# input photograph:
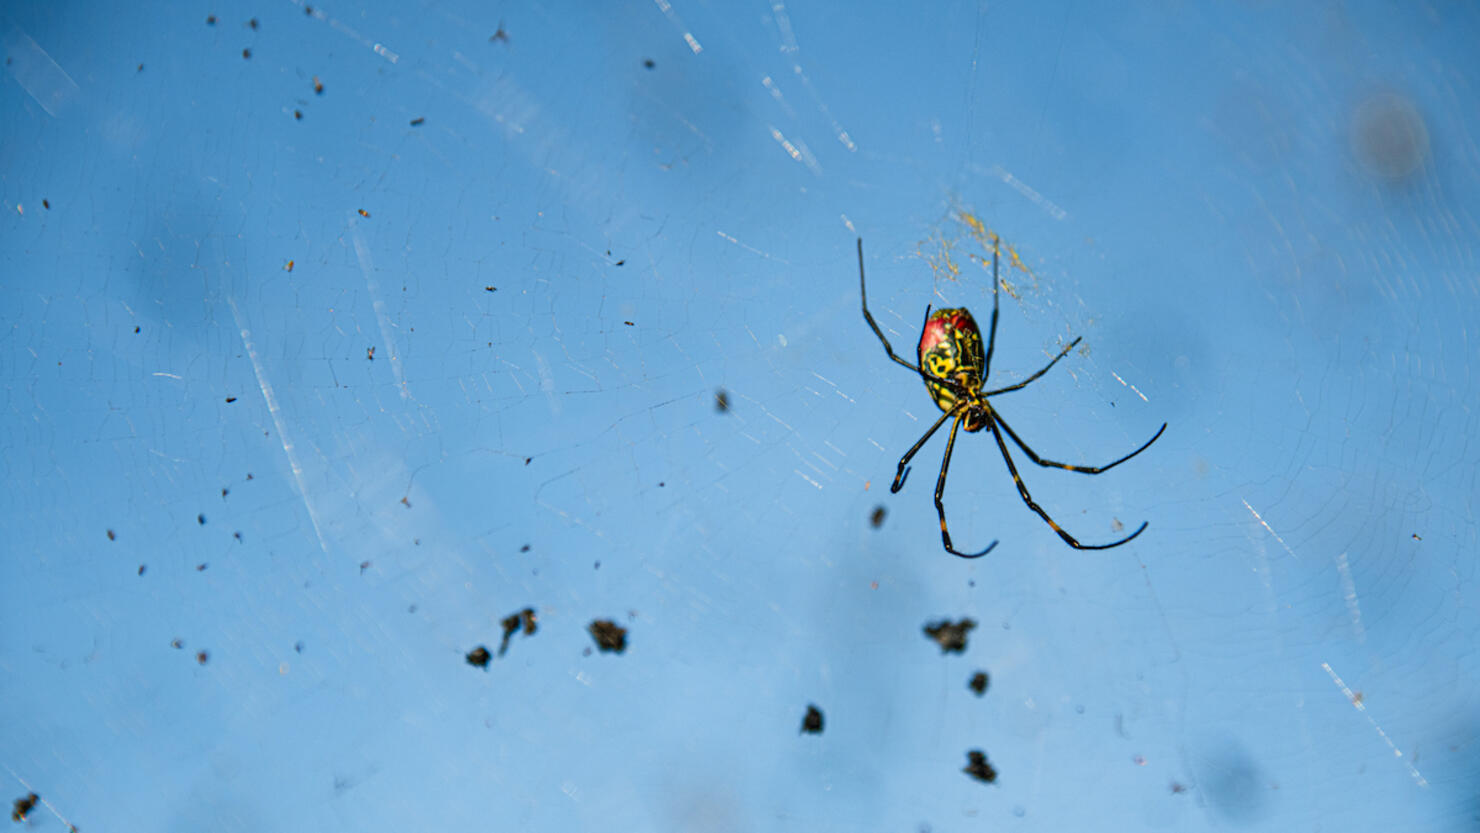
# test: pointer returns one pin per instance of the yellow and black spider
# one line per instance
(951, 347)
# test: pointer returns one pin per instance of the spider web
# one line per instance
(344, 333)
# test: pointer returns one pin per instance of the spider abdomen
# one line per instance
(951, 348)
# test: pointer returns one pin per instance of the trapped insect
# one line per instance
(955, 371)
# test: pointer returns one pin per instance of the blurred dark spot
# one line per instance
(230, 399)
(111, 536)
(210, 20)
(177, 644)
(418, 122)
(252, 23)
(812, 722)
(648, 63)
(479, 657)
(950, 637)
(978, 683)
(524, 548)
(1389, 137)
(298, 647)
(297, 114)
(1232, 784)
(202, 657)
(318, 86)
(142, 568)
(201, 567)
(200, 519)
(23, 807)
(499, 36)
(609, 635)
(978, 768)
(525, 618)
(364, 565)
(246, 53)
(721, 400)
(46, 204)
(876, 518)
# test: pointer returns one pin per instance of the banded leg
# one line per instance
(940, 487)
(1024, 383)
(903, 471)
(1053, 464)
(1028, 499)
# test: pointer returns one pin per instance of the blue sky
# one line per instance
(332, 340)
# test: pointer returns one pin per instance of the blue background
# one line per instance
(1262, 218)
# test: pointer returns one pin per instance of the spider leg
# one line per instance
(955, 386)
(903, 471)
(1024, 383)
(992, 333)
(1028, 499)
(863, 293)
(1069, 466)
(940, 487)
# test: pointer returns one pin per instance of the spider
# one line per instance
(951, 347)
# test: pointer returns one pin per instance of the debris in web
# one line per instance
(812, 722)
(513, 622)
(950, 637)
(978, 768)
(24, 806)
(722, 400)
(978, 683)
(876, 518)
(479, 657)
(609, 635)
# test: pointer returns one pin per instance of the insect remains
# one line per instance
(955, 368)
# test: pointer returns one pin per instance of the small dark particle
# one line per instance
(525, 618)
(177, 644)
(202, 657)
(24, 806)
(252, 23)
(524, 548)
(479, 657)
(500, 35)
(876, 517)
(721, 400)
(609, 635)
(201, 567)
(648, 63)
(364, 213)
(140, 69)
(812, 722)
(978, 768)
(224, 492)
(418, 122)
(136, 329)
(288, 267)
(237, 535)
(951, 638)
(308, 10)
(370, 353)
(111, 536)
(629, 323)
(490, 289)
(46, 204)
(527, 459)
(298, 647)
(978, 683)
(597, 566)
(230, 399)
(406, 502)
(661, 484)
(297, 114)
(210, 20)
(142, 568)
(247, 54)
(249, 475)
(364, 565)
(1416, 538)
(622, 262)
(318, 86)
(1178, 788)
(200, 519)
